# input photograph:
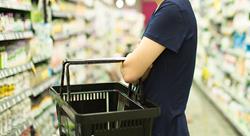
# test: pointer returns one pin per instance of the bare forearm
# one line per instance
(141, 59)
(129, 73)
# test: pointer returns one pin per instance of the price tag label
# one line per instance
(27, 93)
(21, 7)
(14, 101)
(8, 104)
(4, 106)
(23, 96)
(7, 5)
(39, 59)
(15, 70)
(40, 89)
(5, 73)
(30, 34)
(1, 74)
(21, 35)
(16, 35)
(18, 69)
(27, 34)
(24, 35)
(24, 67)
(10, 72)
(1, 108)
(18, 98)
(1, 37)
(31, 64)
(9, 36)
(25, 7)
(4, 36)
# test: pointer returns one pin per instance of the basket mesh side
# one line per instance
(117, 125)
(84, 96)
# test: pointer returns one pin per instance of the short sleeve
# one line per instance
(167, 27)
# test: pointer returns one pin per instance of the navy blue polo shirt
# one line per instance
(173, 26)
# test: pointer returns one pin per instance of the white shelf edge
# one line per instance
(66, 15)
(66, 36)
(43, 110)
(62, 14)
(15, 70)
(8, 102)
(39, 59)
(6, 36)
(44, 114)
(239, 99)
(43, 86)
(13, 6)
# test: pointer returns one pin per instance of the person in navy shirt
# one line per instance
(165, 59)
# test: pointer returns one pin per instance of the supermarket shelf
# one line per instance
(66, 36)
(76, 1)
(43, 116)
(11, 6)
(235, 52)
(65, 15)
(61, 14)
(236, 97)
(80, 2)
(15, 70)
(232, 74)
(222, 109)
(16, 35)
(42, 110)
(39, 59)
(20, 128)
(42, 87)
(13, 100)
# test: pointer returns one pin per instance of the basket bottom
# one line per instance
(139, 127)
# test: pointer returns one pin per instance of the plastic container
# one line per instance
(103, 109)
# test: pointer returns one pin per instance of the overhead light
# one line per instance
(119, 3)
(130, 2)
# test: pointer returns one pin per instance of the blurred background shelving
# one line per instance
(37, 35)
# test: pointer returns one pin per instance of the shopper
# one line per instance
(168, 51)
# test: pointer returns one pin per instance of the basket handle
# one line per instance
(66, 64)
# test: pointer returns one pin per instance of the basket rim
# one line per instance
(149, 112)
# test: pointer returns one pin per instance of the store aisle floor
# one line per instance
(204, 119)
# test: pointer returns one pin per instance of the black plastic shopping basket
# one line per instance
(101, 109)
